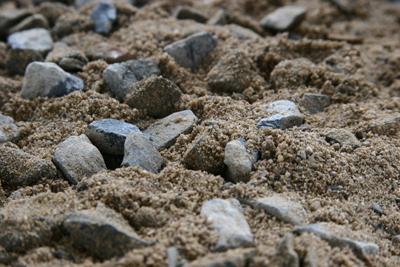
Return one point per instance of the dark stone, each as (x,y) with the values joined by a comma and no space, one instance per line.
(183,12)
(104,16)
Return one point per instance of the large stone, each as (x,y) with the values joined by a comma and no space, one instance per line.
(238,161)
(109,135)
(68,58)
(8,130)
(36,39)
(227,219)
(184,12)
(284,18)
(163,133)
(284,114)
(315,103)
(34,21)
(77,157)
(119,77)
(141,153)
(191,51)
(104,16)
(45,79)
(342,137)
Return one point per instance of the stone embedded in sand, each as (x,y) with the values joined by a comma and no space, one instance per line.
(238,161)
(315,103)
(8,130)
(9,18)
(184,12)
(284,18)
(231,258)
(221,17)
(191,51)
(34,21)
(77,158)
(388,125)
(36,39)
(294,73)
(45,79)
(101,232)
(343,137)
(227,219)
(163,133)
(109,135)
(119,77)
(156,95)
(285,114)
(377,208)
(68,58)
(286,254)
(104,16)
(141,153)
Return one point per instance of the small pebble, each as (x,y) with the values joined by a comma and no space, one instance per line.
(68,58)
(285,114)
(8,130)
(104,16)
(315,103)
(34,21)
(36,39)
(238,161)
(342,137)
(377,208)
(284,18)
(183,12)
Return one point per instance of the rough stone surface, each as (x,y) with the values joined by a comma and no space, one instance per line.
(19,59)
(286,255)
(227,218)
(238,161)
(284,18)
(8,130)
(119,77)
(343,137)
(109,135)
(163,133)
(34,21)
(45,79)
(77,157)
(156,95)
(9,18)
(191,51)
(67,58)
(103,16)
(315,103)
(184,12)
(141,153)
(285,114)
(36,39)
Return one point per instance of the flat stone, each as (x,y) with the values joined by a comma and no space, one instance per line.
(156,95)
(77,157)
(191,51)
(184,12)
(36,39)
(285,114)
(163,133)
(377,208)
(34,21)
(104,16)
(8,130)
(109,135)
(315,103)
(45,79)
(68,58)
(9,18)
(119,77)
(283,18)
(282,208)
(227,219)
(108,53)
(221,17)
(141,153)
(101,232)
(238,161)
(342,137)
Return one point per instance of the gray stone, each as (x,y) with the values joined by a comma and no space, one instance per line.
(68,58)
(221,17)
(102,233)
(227,219)
(34,21)
(238,161)
(282,208)
(287,256)
(141,153)
(184,12)
(191,51)
(36,39)
(284,18)
(285,114)
(109,135)
(377,208)
(45,79)
(164,132)
(9,18)
(8,130)
(119,77)
(174,259)
(104,16)
(242,33)
(343,137)
(315,103)
(77,158)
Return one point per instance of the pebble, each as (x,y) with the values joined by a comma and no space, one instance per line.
(285,114)
(119,77)
(377,208)
(141,153)
(388,125)
(68,58)
(184,12)
(77,157)
(191,51)
(36,39)
(156,95)
(34,21)
(46,79)
(9,18)
(238,161)
(284,18)
(315,103)
(101,232)
(108,52)
(227,219)
(163,133)
(342,137)
(8,130)
(221,17)
(286,254)
(104,16)
(109,135)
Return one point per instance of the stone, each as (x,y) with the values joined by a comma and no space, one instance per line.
(286,255)
(184,12)
(46,79)
(101,232)
(282,208)
(71,22)
(285,114)
(284,18)
(18,168)
(221,17)
(315,103)
(119,77)
(139,152)
(191,51)
(68,58)
(242,33)
(104,16)
(107,52)
(76,157)
(163,133)
(156,95)
(377,208)
(8,130)
(109,135)
(9,18)
(384,125)
(19,59)
(238,161)
(174,259)
(342,137)
(36,39)
(53,10)
(347,7)
(34,21)
(227,219)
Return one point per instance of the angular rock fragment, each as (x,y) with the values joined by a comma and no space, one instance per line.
(67,58)
(34,21)
(163,133)
(48,80)
(315,103)
(8,130)
(227,219)
(184,12)
(284,18)
(104,16)
(285,114)
(109,135)
(238,161)
(119,77)
(191,51)
(108,53)
(36,39)
(141,153)
(77,157)
(343,137)
(9,18)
